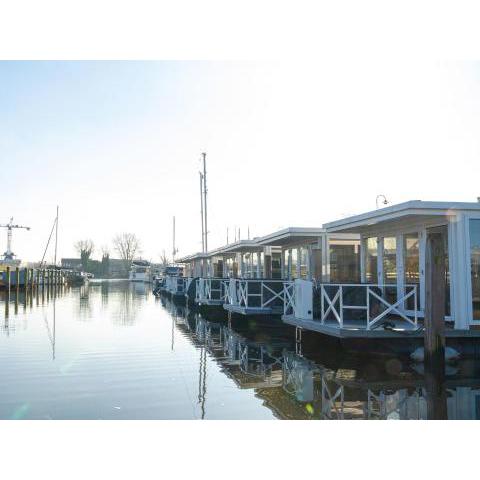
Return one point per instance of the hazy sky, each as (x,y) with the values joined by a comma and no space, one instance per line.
(117,146)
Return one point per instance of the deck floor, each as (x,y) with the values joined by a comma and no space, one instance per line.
(252,310)
(357,329)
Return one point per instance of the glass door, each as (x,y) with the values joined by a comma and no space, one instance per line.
(390,268)
(411,267)
(474,230)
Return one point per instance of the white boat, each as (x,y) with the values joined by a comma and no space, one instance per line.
(140,271)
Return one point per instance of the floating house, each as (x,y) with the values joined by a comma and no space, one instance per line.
(392,289)
(309,254)
(241,259)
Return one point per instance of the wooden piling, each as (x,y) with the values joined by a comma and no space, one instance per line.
(434,340)
(7,279)
(25,278)
(17,279)
(434,337)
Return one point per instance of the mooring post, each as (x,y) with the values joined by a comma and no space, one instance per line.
(25,278)
(17,279)
(31,277)
(7,299)
(434,336)
(7,279)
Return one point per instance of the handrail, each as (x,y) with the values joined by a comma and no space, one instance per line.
(329,303)
(264,293)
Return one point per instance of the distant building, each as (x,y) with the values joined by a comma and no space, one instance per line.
(115,267)
(72,263)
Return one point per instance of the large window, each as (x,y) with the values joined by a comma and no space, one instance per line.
(276,265)
(475,266)
(390,268)
(411,259)
(293,263)
(344,261)
(316,264)
(303,261)
(371,258)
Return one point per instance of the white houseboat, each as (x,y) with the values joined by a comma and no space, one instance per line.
(391,295)
(140,271)
(240,259)
(294,253)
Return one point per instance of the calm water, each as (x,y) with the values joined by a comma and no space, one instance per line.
(111,350)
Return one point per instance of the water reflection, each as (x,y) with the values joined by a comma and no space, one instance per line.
(294,386)
(173,362)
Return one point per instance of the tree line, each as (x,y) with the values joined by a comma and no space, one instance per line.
(126,245)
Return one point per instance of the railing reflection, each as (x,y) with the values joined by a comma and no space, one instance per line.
(297,387)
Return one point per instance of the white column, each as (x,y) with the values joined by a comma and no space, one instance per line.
(459,260)
(325,259)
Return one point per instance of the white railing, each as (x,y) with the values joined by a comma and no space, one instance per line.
(333,302)
(212,289)
(256,293)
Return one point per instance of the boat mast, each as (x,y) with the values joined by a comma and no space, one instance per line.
(201,210)
(205,198)
(174,252)
(56,237)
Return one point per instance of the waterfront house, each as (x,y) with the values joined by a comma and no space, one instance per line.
(392,289)
(295,253)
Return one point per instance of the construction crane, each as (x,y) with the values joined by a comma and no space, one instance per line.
(8,255)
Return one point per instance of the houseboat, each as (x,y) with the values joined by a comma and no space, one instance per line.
(294,253)
(170,282)
(140,271)
(389,299)
(240,259)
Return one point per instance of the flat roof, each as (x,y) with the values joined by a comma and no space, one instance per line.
(189,258)
(239,246)
(291,234)
(412,208)
(297,235)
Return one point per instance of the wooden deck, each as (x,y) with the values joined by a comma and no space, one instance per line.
(356,329)
(252,310)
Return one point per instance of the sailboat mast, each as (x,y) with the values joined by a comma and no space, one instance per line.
(201,210)
(205,198)
(173,253)
(56,237)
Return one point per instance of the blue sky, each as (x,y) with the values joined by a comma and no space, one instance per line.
(117,145)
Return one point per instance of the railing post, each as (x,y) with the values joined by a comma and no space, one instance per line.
(341,306)
(368,307)
(322,304)
(415,305)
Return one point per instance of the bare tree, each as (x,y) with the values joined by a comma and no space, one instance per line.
(85,249)
(127,246)
(164,261)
